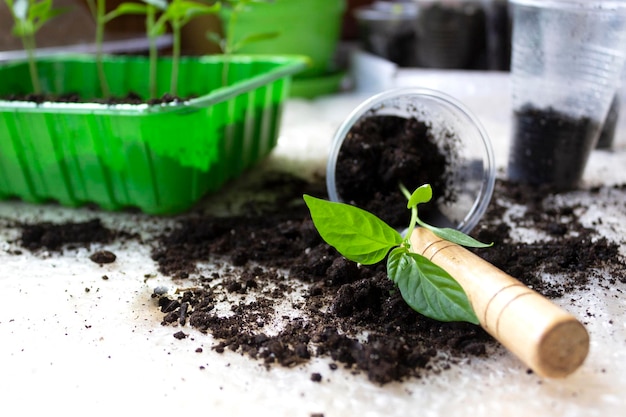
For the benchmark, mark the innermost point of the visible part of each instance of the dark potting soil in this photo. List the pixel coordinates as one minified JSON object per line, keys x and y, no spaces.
{"x":275,"y":292}
{"x":56,"y":236}
{"x":550,"y":147}
{"x":262,"y":283}
{"x":272,"y":256}
{"x":380,"y":152}
{"x":130,"y":98}
{"x":342,"y":301}
{"x":103,"y":257}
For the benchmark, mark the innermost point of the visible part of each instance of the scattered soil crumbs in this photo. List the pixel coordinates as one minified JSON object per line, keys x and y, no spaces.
{"x":71,"y":235}
{"x":574,"y":256}
{"x":265,"y":285}
{"x":103,"y":257}
{"x":54,"y":236}
{"x":281,"y":295}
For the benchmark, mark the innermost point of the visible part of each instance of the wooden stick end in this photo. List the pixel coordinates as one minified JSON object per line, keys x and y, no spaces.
{"x":562,"y":349}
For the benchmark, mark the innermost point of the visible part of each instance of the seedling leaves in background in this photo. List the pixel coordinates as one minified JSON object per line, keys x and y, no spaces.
{"x":28,"y":17}
{"x":178,"y":13}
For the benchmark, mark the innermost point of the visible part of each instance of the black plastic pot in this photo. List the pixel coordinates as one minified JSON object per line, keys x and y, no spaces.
{"x":452,"y":36}
{"x":388,"y":30}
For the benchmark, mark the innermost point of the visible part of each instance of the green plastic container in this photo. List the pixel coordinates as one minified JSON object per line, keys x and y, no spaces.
{"x":159,"y":158}
{"x":304,"y":27}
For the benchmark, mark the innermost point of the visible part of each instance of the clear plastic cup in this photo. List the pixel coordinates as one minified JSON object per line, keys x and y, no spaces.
{"x":470,"y":171}
{"x":567,"y":59}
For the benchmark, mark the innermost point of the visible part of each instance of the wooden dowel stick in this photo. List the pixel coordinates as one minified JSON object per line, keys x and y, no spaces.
{"x":552,"y":342}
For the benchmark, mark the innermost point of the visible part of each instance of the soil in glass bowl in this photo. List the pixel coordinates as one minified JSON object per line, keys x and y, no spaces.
{"x":381,"y":152}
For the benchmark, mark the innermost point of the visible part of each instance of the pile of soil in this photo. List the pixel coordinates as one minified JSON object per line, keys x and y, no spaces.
{"x":382,"y":151}
{"x":342,"y":302}
{"x":275,"y":292}
{"x":262,"y":282}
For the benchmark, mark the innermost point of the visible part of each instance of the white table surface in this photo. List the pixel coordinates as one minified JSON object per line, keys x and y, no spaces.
{"x":68,"y":351}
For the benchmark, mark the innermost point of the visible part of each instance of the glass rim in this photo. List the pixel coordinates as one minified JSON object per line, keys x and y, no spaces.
{"x":489,"y":170}
{"x":597,"y":5}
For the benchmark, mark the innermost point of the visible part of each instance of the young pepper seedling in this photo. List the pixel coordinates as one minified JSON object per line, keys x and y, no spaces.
{"x":29,"y":16}
{"x":150,"y":9}
{"x":362,"y":237}
{"x":177,"y":14}
{"x":227,"y":42}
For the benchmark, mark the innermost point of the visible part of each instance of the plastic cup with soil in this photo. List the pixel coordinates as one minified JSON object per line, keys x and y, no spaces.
{"x":566,"y":66}
{"x":413,"y":137}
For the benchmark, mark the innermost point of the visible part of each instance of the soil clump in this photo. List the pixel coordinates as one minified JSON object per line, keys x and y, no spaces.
{"x":54,"y":236}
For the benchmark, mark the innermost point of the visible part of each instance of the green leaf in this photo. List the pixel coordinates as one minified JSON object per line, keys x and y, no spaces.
{"x":182,"y":11}
{"x":39,"y":9}
{"x":215,"y":38}
{"x":422,"y":194}
{"x":130,"y":8}
{"x":125,"y":9}
{"x":427,"y":288}
{"x":50,"y":14}
{"x":159,"y":26}
{"x":454,"y":236}
{"x":255,"y":38}
{"x":355,"y":233}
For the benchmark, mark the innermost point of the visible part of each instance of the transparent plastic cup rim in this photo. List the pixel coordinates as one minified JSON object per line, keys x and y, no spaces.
{"x":489,"y":171}
{"x":597,"y":5}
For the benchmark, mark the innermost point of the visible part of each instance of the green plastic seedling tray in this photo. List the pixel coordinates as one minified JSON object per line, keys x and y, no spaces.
{"x":159,"y":158}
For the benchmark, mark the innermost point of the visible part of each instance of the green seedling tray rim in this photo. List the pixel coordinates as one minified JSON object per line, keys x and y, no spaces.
{"x":287,"y":66}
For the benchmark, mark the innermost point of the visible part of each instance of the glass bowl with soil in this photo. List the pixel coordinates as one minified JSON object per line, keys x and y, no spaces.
{"x":412,"y":137}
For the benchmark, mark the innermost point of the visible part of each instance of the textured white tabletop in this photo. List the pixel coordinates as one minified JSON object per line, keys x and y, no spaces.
{"x":75,"y":343}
